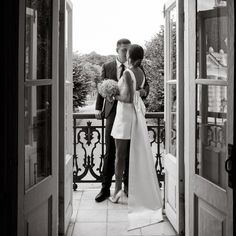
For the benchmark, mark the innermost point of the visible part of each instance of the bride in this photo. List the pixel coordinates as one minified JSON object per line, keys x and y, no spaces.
{"x":132,"y":141}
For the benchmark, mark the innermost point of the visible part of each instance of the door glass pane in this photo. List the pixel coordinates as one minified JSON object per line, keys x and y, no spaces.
{"x":173,"y":112}
{"x":212,"y":39}
{"x":211,"y":104}
{"x":37,"y":134}
{"x":68,"y":85}
{"x":211,"y":133}
{"x":173,"y":43}
{"x":38,"y":40}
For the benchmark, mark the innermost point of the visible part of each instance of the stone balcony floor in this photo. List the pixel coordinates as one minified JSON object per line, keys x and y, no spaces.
{"x":107,"y":219}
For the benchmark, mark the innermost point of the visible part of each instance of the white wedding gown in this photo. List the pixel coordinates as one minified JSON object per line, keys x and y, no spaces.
{"x":144,"y":201}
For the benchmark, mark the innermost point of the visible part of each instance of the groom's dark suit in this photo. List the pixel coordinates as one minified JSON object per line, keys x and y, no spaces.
{"x":109,"y":71}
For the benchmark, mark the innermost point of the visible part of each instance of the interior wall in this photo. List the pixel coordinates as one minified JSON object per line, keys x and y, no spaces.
{"x":9,"y":112}
{"x":234,"y":160}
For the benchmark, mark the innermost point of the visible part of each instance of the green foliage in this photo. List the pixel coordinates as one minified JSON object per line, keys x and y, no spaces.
{"x":93,"y":58}
{"x":87,"y":69}
{"x":86,"y":75}
{"x":81,"y":85}
{"x":153,"y":64}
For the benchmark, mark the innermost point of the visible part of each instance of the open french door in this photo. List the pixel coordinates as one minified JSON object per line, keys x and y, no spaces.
{"x":209,"y":94}
{"x":174,"y":118}
{"x":38,"y":118}
{"x":66,"y":117}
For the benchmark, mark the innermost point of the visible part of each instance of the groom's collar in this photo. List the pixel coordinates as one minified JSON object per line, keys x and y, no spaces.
{"x":119,"y":63}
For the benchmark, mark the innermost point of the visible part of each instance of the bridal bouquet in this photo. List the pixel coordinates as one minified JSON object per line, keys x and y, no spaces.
{"x":108,"y":88}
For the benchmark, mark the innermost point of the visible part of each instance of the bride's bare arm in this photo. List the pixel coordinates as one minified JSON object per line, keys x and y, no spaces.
{"x":126,"y":95}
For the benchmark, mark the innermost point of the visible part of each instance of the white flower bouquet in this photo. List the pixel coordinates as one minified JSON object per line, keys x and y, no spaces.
{"x":108,"y":88}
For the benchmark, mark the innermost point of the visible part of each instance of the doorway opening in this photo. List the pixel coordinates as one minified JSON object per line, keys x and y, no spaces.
{"x":89,"y":145}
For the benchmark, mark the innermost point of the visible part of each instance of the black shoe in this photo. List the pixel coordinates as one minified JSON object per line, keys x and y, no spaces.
{"x":126,"y":191}
{"x":103,"y":195}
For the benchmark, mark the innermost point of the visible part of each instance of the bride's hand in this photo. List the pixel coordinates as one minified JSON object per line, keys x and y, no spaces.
{"x":110,"y":98}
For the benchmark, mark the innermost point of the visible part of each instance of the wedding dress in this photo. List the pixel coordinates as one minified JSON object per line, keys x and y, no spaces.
{"x":144,"y":201}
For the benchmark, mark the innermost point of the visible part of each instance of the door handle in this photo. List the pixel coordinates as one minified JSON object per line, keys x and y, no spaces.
{"x":229,"y":164}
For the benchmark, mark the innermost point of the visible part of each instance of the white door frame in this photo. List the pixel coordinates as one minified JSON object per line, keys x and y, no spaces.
{"x":174,"y":165}
{"x":65,"y":117}
{"x":189,"y":84}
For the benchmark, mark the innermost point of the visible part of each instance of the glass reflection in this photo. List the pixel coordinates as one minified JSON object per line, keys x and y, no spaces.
{"x":37,"y":134}
{"x":212,"y":39}
{"x":173,"y":43}
{"x":211,"y":133}
{"x":173,"y":128}
{"x":38,"y":40}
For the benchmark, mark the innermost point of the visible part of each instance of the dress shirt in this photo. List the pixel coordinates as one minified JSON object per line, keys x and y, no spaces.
{"x":119,"y":67}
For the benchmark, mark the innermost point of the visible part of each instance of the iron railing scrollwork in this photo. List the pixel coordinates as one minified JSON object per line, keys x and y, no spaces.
{"x":214,"y":136}
{"x":89,"y":146}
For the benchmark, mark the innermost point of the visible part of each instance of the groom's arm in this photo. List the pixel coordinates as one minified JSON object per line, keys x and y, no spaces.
{"x":145,"y":91}
{"x":100,"y":99}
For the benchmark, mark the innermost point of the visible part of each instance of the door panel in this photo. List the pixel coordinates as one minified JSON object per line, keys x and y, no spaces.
{"x":42,"y":226}
{"x":38,"y":119}
{"x":174,"y":180}
{"x":210,"y":220}
{"x":66,"y":116}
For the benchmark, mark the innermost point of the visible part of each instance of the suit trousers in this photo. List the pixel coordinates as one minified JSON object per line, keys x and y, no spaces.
{"x":110,"y":155}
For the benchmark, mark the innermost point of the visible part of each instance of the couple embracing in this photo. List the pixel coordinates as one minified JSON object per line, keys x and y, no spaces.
{"x":128,"y":151}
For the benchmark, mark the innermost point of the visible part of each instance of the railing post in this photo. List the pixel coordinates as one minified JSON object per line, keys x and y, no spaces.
{"x":75,"y":186}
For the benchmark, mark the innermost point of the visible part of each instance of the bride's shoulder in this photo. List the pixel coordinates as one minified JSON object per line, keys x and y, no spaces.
{"x":127,"y":73}
{"x":127,"y":76}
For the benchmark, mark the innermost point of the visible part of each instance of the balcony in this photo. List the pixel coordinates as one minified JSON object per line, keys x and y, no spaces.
{"x":89,"y":146}
{"x":89,"y":149}
{"x":107,"y":219}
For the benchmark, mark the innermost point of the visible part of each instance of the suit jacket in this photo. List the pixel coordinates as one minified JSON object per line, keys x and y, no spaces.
{"x":109,"y":71}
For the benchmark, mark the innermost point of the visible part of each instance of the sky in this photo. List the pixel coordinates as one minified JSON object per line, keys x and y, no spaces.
{"x":98,"y":24}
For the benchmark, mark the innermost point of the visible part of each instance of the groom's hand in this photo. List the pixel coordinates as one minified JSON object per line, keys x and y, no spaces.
{"x":98,"y":114}
{"x":142,"y":93}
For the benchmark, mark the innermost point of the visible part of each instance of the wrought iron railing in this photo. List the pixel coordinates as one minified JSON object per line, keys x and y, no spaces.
{"x":89,"y":146}
{"x":210,"y":135}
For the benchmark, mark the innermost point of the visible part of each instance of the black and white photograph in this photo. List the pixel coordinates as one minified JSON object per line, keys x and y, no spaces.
{"x":119,"y":118}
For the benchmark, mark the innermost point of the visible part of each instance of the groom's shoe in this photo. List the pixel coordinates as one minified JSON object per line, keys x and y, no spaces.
{"x":126,"y":191}
{"x":103,"y":195}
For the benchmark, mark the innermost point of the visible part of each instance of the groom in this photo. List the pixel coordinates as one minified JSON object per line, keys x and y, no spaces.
{"x":104,"y":109}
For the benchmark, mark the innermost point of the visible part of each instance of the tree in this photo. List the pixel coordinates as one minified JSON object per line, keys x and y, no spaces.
{"x":86,"y":75}
{"x":154,"y":68}
{"x":81,"y":85}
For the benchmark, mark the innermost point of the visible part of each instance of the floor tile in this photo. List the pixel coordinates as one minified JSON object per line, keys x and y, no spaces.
{"x":89,"y":186}
{"x":120,"y":229}
{"x":92,"y":218}
{"x":77,"y":195}
{"x":90,"y":194}
{"x":163,"y":228}
{"x":92,"y":215}
{"x":89,"y":229}
{"x":92,"y":204}
{"x":75,"y":210}
{"x":121,"y":205}
{"x":117,"y":215}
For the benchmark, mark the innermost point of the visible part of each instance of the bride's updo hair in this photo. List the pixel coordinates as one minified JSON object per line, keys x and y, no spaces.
{"x":136,"y":54}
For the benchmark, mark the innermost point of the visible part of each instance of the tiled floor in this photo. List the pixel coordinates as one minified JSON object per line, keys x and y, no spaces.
{"x":107,"y":219}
